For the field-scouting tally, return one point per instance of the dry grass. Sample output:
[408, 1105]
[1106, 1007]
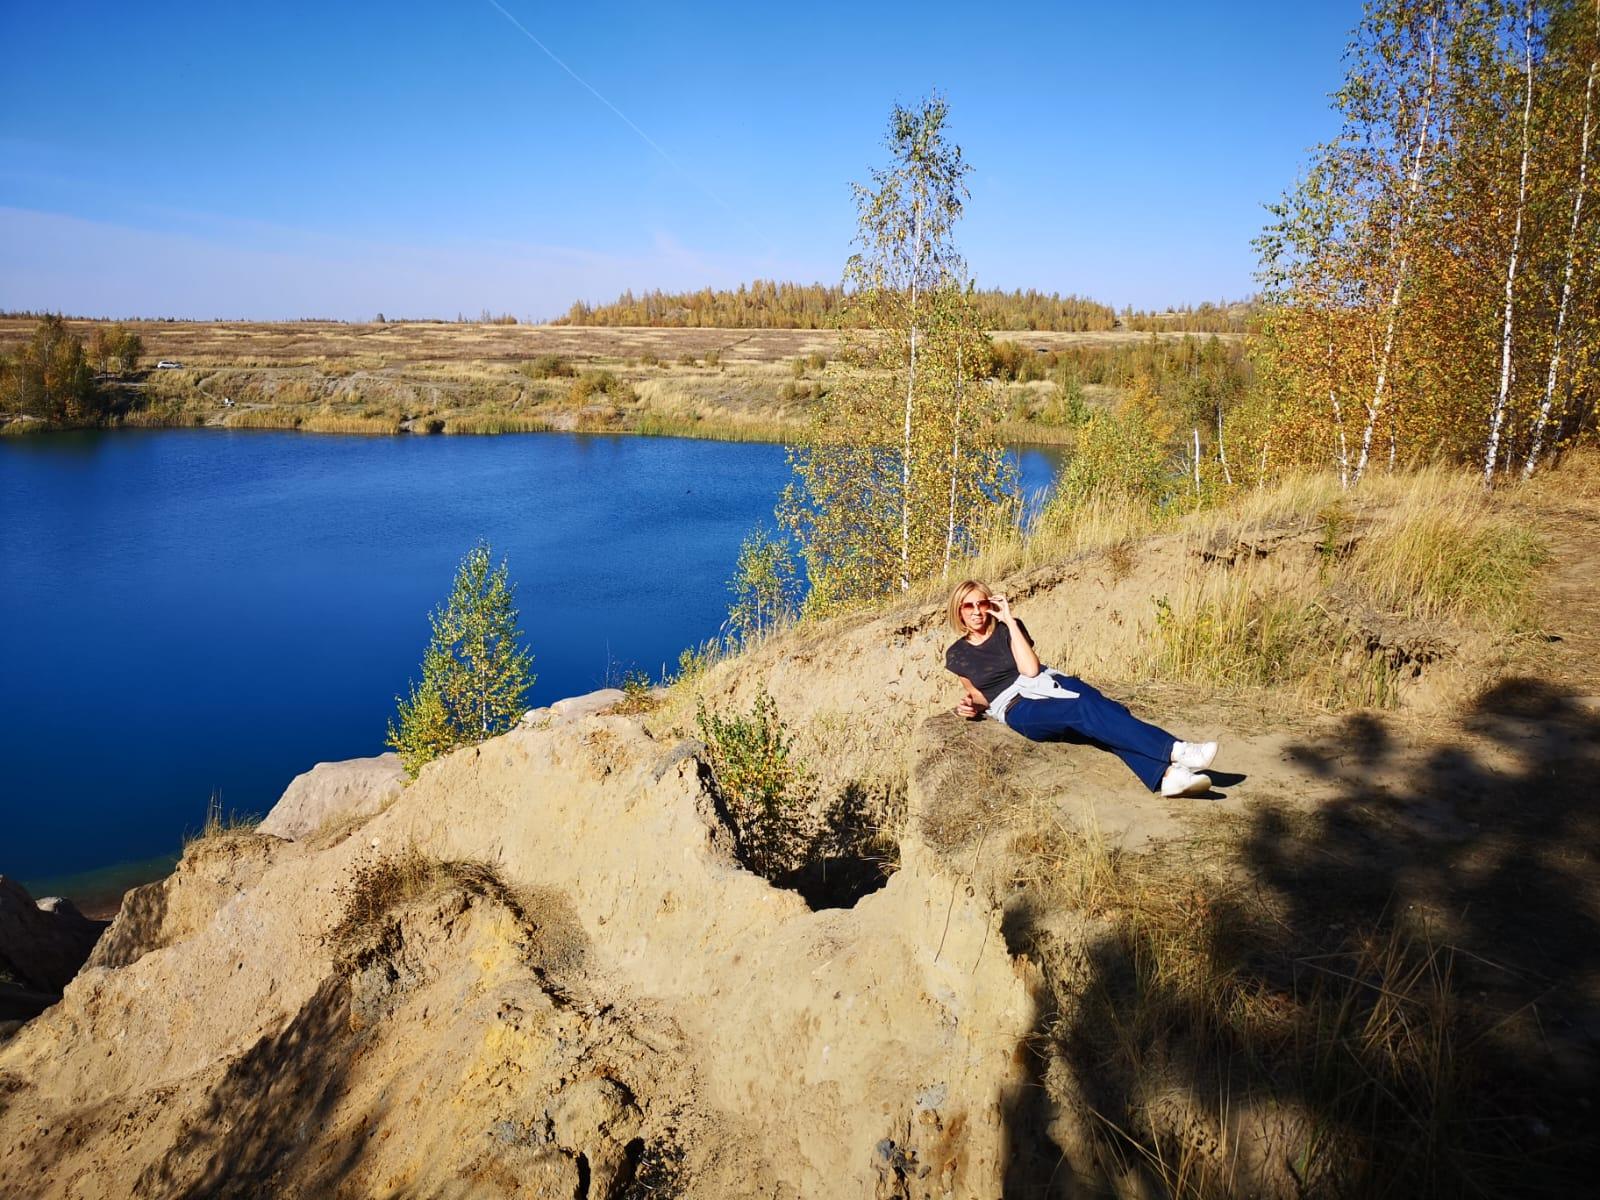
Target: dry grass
[1274, 630]
[211, 343]
[1360, 1050]
[379, 889]
[1449, 551]
[1346, 621]
[494, 423]
[221, 826]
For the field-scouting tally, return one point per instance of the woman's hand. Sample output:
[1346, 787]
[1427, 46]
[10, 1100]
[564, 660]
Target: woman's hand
[1000, 606]
[973, 704]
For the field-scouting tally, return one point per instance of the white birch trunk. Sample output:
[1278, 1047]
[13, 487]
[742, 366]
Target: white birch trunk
[955, 462]
[911, 388]
[1375, 406]
[1196, 460]
[1497, 420]
[1222, 453]
[1566, 280]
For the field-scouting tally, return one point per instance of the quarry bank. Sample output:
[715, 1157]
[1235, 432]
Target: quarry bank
[543, 969]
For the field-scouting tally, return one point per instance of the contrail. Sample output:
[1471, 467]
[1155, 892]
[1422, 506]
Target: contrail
[622, 116]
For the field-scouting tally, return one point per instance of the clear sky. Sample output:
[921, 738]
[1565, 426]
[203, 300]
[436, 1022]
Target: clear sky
[282, 159]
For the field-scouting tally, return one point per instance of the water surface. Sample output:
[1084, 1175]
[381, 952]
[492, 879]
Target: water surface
[185, 613]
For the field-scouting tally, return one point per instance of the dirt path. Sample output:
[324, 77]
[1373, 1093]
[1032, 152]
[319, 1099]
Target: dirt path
[1572, 604]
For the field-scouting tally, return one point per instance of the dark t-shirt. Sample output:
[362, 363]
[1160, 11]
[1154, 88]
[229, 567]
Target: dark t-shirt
[991, 667]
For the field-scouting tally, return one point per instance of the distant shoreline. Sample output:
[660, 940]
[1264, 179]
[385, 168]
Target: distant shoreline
[752, 385]
[98, 893]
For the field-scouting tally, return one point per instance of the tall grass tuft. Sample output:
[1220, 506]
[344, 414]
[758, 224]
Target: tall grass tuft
[220, 825]
[652, 424]
[1257, 629]
[1454, 556]
[330, 422]
[492, 423]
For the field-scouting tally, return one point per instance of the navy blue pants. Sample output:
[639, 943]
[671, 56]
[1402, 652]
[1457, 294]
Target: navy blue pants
[1092, 718]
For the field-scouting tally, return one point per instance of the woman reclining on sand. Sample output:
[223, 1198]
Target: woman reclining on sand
[996, 663]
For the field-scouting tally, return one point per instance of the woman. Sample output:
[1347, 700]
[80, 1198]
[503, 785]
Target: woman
[996, 663]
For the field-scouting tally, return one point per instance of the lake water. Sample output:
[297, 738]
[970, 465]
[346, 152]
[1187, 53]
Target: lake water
[189, 612]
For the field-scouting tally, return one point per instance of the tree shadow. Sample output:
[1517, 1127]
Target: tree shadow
[1406, 979]
[265, 1120]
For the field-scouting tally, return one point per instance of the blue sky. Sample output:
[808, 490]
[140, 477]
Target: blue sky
[341, 159]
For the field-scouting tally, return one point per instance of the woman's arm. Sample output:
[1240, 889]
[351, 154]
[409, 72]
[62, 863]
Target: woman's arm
[1021, 648]
[973, 704]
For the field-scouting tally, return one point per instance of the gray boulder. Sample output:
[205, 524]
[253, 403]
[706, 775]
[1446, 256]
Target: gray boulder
[355, 788]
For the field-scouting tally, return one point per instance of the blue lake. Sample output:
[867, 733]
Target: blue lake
[185, 613]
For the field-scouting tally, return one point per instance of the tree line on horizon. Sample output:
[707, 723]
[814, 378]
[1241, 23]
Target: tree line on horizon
[773, 304]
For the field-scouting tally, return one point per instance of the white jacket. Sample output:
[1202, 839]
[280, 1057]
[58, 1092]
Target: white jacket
[1046, 685]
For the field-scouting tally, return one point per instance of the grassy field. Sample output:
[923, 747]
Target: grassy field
[732, 384]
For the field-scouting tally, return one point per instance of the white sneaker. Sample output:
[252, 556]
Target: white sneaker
[1180, 781]
[1196, 756]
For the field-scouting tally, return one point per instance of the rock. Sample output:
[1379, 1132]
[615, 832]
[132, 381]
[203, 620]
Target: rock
[575, 708]
[596, 1119]
[357, 787]
[41, 948]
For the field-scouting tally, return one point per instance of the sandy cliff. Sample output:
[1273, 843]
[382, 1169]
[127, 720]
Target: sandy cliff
[634, 1002]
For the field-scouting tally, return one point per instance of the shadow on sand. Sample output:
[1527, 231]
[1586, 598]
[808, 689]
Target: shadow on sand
[1411, 984]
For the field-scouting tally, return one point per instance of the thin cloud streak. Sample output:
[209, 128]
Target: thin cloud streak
[683, 172]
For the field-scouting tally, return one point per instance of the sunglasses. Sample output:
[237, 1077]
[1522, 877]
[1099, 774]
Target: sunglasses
[974, 605]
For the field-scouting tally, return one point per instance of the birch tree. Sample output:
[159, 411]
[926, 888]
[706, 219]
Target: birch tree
[1564, 305]
[1432, 278]
[902, 465]
[1497, 418]
[1392, 116]
[1338, 258]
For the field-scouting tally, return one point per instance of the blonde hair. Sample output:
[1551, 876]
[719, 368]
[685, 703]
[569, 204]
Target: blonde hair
[964, 589]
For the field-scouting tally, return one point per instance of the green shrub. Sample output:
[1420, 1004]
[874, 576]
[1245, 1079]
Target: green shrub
[693, 661]
[766, 591]
[547, 366]
[688, 360]
[638, 695]
[816, 360]
[1067, 407]
[713, 358]
[1118, 453]
[762, 786]
[592, 385]
[475, 671]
